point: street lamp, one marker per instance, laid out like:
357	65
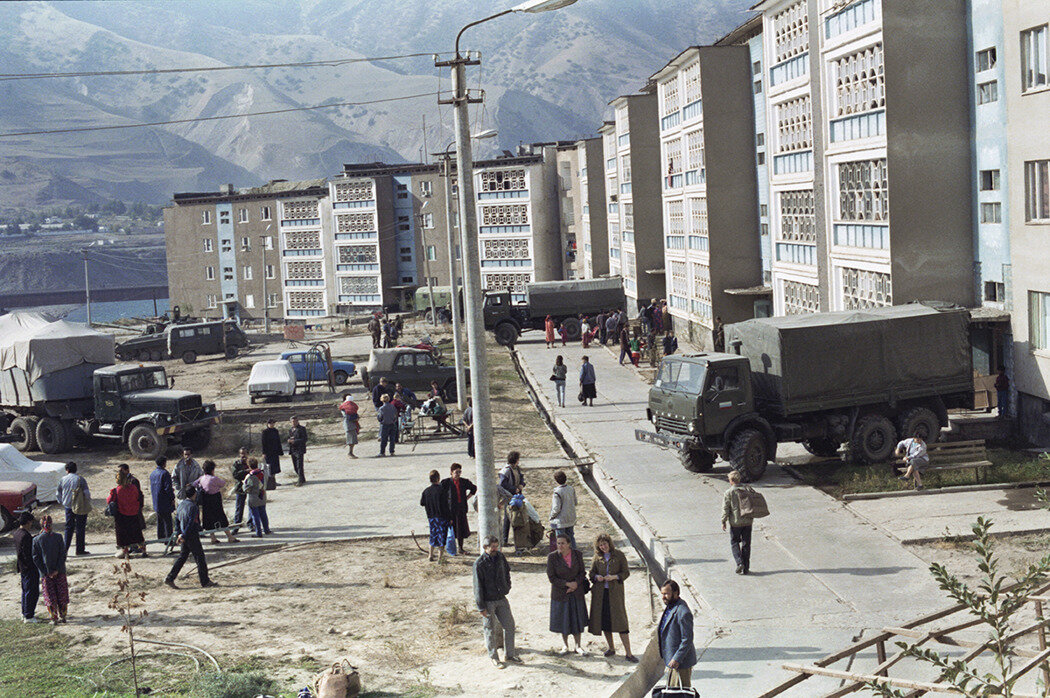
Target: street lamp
488	518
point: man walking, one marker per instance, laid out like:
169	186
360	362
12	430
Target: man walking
625	344
187	471
599	322
387	416
272	449
491	586
511	482
23	539
612	327
588	382
676	633
297	449
75	497
563	508
239	471
719	335
160	489
739	524
375	330
188	528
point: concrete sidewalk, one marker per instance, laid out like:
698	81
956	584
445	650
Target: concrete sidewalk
820	573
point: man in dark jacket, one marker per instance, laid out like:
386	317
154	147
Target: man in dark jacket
625	344
240	470
297	449
26	567
599	322
491	586
670	343
188	527
272	448
163	495
676	633
434	501
379	390
612	327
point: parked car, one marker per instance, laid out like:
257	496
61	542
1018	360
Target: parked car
185	341
310	365
15	497
413	368
271	379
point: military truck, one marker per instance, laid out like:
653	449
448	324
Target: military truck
185	341
863	378
564	301
58	377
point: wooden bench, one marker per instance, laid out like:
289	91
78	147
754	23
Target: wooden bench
958	455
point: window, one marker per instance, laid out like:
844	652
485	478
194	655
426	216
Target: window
209	273
272	300
1033	58
988	92
760	139
247	273
431	253
863	191
756	68
226	245
1037	190
406	279
992	212
795	125
989	180
428	220
205	217
268	242
227	273
760	158
503	180
800	298
865	289
859	82
249	301
358	190
1039	320
985	59
791	32
246	243
224	217
208	245
994	291
264	213
242	215
356	254
426	188
212	300
798	221
270	272
758	87
763	210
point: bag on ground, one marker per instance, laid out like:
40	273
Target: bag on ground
674	688
450	541
338	682
752	503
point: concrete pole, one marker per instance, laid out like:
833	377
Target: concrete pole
426	268
265	298
488	520
87	288
457	346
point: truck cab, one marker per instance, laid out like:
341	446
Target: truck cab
502	318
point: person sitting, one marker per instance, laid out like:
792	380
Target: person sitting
439	412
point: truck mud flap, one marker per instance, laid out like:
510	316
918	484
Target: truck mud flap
658	439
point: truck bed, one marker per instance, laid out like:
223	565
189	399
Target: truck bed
564	298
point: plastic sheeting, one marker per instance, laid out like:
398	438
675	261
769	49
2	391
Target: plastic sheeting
31	342
45	475
277	376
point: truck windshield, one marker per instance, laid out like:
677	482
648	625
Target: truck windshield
691	378
147	380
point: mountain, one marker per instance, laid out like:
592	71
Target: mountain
546	77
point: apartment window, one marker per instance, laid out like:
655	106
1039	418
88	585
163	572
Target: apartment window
698	216
992	212
863	191
405	250
406	279
1039	320
865	289
798	221
800	298
760	139
212	300
994	291
265	214
758	87
985	59
673	158
676	218
989	180
756	68
760	158
208	245
1033	58
272	300
988	92
859	82
426	188
270	272
249	301
795	125
625	168
209	273
428	220
457	252
432	253
268	242
354	254
763	210
246	243
247	273
224	217
669	103
791	32
205	217
226	245
691	79
227	273
242	215
764	229
694	146
1037	190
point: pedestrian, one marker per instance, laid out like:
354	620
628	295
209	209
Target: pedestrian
563	332
438	399
379	390
187	470
739	524
255	488
558	374
612	328
719	335
647	316
297	438
187	527
49	556
388	329
141	516
467	421
24	565
636	349
125	503
621	321
1002	392
405	395
238	470
658	319
272	450
563	508
395	331
375	329
670	343
625	344
75	497
458	491
163	498
491	586
568	578
210	502
511	482
435	504
588	382
652	348
599	323
387	416
913	451
585	332
676	634
351	423
548	327
608	609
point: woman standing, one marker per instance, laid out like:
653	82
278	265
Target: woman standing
351	423
568	580
210	502
548	326
558	374
458	490
255	489
49	556
435	504
128	499
585	331
608	611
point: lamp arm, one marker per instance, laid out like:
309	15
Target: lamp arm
474	24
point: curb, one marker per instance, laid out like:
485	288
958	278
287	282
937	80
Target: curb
966	537
862	496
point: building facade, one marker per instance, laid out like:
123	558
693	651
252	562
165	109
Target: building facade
570	207
593	242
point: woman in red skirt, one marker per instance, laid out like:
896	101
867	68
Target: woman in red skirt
49	555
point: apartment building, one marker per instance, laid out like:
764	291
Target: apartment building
867	102
593	241
611	177
711	240
224	248
570	207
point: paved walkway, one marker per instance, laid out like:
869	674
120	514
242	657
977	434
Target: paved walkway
820	573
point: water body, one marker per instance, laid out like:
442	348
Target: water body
104	312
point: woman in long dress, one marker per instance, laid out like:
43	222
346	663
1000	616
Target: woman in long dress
213	516
126	519
351	423
568	579
548	326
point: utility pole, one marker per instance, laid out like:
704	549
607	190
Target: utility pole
457	347
87	287
265	298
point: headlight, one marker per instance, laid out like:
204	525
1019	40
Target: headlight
692	426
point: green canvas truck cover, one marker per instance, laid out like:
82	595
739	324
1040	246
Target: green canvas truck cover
576	296
803	363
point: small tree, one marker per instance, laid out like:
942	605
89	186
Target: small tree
996	603
123	603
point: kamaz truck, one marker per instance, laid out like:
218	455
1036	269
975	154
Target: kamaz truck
863	378
564	301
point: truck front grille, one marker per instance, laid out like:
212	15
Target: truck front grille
190	408
675	426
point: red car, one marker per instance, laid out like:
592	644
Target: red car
15	497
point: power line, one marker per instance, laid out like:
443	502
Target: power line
335	62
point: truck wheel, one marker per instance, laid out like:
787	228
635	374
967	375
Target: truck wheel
156	355
697	460
189	356
231	352
450	390
144	355
822	447
572	329
506	334
145	443
921	422
874	439
51	435
748	454
23	429
340	377
197	440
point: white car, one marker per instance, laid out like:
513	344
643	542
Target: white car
271	379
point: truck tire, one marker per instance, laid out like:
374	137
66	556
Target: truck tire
572	329
145	443
921	422
748	454
506	334
144	355
873	441
198	440
697	460
822	447
450	390
364	379
340	377
189	356
51	435
23	429
156	355
231	352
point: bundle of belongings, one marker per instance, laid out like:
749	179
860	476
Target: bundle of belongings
524	523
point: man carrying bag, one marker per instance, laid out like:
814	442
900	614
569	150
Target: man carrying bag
741	505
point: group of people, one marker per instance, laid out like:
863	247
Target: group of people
587	377
385	330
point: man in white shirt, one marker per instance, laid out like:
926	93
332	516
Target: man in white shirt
913	451
76	523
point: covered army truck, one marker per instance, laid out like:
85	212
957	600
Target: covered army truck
864	378
564	301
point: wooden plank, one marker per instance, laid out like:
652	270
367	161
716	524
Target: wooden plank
957	466
943	445
864	678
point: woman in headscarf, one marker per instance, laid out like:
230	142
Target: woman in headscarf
351	422
128	499
210	502
548	326
49	555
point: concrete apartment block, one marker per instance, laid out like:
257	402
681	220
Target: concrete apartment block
611	177
570	207
592	243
